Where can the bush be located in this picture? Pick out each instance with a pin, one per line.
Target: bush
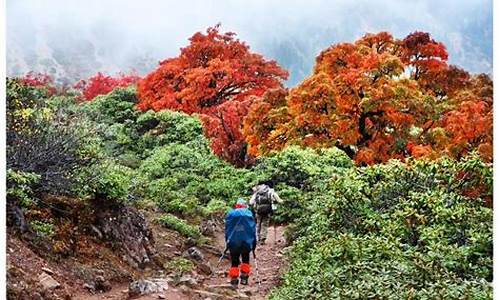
(43, 229)
(392, 231)
(46, 138)
(20, 187)
(299, 174)
(106, 180)
(301, 168)
(179, 225)
(178, 266)
(183, 179)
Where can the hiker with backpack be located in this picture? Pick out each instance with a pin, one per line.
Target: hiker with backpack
(263, 203)
(240, 240)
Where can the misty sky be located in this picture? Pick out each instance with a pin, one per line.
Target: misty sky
(79, 38)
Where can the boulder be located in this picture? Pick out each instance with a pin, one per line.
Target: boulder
(144, 287)
(126, 227)
(47, 282)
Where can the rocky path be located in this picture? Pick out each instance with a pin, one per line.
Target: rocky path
(216, 286)
(269, 262)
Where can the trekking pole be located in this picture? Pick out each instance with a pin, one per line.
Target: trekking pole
(256, 270)
(221, 257)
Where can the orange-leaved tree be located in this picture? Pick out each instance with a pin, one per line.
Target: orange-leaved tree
(215, 76)
(379, 98)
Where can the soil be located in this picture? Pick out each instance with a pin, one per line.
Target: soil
(28, 259)
(216, 286)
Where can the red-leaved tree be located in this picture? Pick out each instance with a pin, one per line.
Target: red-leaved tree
(215, 77)
(39, 80)
(101, 84)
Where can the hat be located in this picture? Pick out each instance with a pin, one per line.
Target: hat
(241, 203)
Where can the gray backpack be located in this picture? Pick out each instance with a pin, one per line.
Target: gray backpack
(263, 202)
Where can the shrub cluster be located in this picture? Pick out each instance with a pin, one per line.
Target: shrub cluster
(394, 231)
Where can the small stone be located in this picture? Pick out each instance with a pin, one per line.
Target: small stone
(48, 271)
(47, 282)
(101, 284)
(195, 254)
(184, 289)
(188, 280)
(190, 242)
(89, 287)
(161, 296)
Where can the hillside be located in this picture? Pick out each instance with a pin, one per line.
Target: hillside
(118, 188)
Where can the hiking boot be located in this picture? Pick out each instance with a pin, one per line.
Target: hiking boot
(244, 279)
(234, 282)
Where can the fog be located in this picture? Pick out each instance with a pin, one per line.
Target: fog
(75, 39)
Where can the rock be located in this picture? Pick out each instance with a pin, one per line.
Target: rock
(190, 242)
(184, 289)
(89, 287)
(161, 296)
(129, 231)
(102, 284)
(188, 280)
(47, 282)
(15, 217)
(208, 227)
(205, 268)
(48, 271)
(195, 254)
(144, 287)
(97, 231)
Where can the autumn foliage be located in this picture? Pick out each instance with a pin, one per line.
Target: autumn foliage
(101, 84)
(39, 80)
(379, 98)
(217, 77)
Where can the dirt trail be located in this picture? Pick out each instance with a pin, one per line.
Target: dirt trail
(216, 286)
(269, 260)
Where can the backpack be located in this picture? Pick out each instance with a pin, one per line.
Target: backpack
(240, 229)
(263, 201)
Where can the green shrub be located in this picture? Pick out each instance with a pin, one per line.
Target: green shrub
(168, 127)
(43, 229)
(106, 180)
(392, 231)
(178, 266)
(20, 186)
(179, 225)
(301, 168)
(183, 179)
